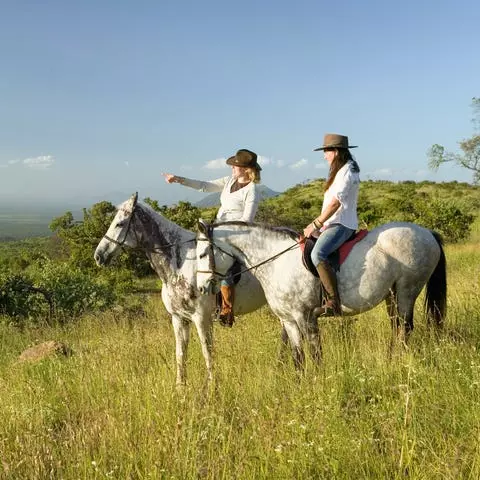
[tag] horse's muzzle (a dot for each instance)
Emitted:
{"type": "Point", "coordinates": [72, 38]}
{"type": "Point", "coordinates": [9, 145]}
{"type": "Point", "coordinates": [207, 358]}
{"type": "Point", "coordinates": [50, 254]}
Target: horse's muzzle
{"type": "Point", "coordinates": [99, 259]}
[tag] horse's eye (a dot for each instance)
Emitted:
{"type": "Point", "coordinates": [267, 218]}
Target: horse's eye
{"type": "Point", "coordinates": [119, 225]}
{"type": "Point", "coordinates": [203, 255]}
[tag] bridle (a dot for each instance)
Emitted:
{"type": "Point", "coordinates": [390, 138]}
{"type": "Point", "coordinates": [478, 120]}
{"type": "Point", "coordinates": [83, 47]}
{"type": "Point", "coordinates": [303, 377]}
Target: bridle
{"type": "Point", "coordinates": [121, 243]}
{"type": "Point", "coordinates": [208, 230]}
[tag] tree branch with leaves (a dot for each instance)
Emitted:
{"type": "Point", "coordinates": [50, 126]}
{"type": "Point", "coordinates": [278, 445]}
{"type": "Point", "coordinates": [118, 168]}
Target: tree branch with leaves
{"type": "Point", "coordinates": [469, 159]}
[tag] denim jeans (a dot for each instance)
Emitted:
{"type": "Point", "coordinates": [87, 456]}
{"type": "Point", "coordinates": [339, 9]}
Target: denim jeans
{"type": "Point", "coordinates": [231, 275]}
{"type": "Point", "coordinates": [330, 240]}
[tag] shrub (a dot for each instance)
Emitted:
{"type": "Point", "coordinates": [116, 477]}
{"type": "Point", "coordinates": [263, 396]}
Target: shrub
{"type": "Point", "coordinates": [55, 290]}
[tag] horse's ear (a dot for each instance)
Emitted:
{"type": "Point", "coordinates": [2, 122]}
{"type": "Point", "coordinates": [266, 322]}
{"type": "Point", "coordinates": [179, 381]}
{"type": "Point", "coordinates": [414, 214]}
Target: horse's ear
{"type": "Point", "coordinates": [134, 199]}
{"type": "Point", "coordinates": [202, 226]}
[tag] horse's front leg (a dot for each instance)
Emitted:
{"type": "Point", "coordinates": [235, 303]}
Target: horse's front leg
{"type": "Point", "coordinates": [312, 335]}
{"type": "Point", "coordinates": [203, 322]}
{"type": "Point", "coordinates": [181, 327]}
{"type": "Point", "coordinates": [282, 351]}
{"type": "Point", "coordinates": [294, 335]}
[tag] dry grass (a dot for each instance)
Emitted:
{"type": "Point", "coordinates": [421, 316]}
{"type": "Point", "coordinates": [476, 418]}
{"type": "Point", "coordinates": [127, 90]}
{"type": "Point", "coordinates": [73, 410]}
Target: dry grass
{"type": "Point", "coordinates": [111, 409]}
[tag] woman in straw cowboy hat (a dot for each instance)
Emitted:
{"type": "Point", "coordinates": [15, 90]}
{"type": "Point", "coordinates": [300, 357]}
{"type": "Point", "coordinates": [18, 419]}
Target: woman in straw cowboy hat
{"type": "Point", "coordinates": [338, 219]}
{"type": "Point", "coordinates": [238, 201]}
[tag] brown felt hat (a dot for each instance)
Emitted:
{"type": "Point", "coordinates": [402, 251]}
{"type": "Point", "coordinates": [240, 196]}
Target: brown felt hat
{"type": "Point", "coordinates": [244, 158]}
{"type": "Point", "coordinates": [333, 140]}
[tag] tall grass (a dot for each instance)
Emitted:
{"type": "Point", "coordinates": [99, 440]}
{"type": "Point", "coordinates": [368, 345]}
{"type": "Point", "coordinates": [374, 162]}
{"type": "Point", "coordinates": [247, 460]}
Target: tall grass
{"type": "Point", "coordinates": [111, 409]}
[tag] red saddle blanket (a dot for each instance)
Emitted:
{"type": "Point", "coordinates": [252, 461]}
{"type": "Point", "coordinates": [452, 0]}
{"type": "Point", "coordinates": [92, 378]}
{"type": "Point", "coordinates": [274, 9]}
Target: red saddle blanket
{"type": "Point", "coordinates": [336, 258]}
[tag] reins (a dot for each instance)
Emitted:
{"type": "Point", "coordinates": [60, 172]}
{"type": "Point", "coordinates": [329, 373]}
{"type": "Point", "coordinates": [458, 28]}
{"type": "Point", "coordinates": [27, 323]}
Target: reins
{"type": "Point", "coordinates": [160, 249]}
{"type": "Point", "coordinates": [211, 258]}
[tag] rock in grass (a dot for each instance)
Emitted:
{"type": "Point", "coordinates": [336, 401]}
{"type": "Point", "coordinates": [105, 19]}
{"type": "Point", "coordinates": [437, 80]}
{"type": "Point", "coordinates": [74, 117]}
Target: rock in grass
{"type": "Point", "coordinates": [44, 350]}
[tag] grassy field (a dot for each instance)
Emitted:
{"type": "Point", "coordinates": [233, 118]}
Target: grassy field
{"type": "Point", "coordinates": [18, 226]}
{"type": "Point", "coordinates": [111, 409]}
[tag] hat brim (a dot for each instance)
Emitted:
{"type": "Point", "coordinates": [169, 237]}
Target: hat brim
{"type": "Point", "coordinates": [233, 162]}
{"type": "Point", "coordinates": [334, 146]}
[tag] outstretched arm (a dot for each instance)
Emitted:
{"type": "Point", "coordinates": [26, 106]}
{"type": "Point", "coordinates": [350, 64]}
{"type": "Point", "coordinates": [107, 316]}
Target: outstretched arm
{"type": "Point", "coordinates": [211, 186]}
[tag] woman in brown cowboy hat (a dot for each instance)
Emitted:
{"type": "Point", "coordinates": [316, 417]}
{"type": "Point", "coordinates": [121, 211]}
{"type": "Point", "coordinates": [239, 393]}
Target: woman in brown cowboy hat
{"type": "Point", "coordinates": [238, 201]}
{"type": "Point", "coordinates": [338, 219]}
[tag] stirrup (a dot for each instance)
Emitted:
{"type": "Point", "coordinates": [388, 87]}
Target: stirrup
{"type": "Point", "coordinates": [327, 310]}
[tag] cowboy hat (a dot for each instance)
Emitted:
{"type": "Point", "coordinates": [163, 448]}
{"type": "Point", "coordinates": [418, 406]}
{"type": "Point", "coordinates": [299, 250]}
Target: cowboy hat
{"type": "Point", "coordinates": [244, 158]}
{"type": "Point", "coordinates": [333, 140]}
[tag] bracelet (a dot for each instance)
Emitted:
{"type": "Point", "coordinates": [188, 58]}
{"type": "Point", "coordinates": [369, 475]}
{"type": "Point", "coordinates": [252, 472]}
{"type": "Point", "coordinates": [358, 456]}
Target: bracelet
{"type": "Point", "coordinates": [315, 224]}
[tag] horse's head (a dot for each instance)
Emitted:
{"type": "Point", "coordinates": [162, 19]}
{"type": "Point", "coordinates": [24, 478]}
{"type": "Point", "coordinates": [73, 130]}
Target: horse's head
{"type": "Point", "coordinates": [214, 258]}
{"type": "Point", "coordinates": [120, 233]}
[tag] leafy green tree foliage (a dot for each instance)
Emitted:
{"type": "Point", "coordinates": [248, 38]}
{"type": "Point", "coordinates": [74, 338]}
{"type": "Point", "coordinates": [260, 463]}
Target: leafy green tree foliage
{"type": "Point", "coordinates": [183, 213]}
{"type": "Point", "coordinates": [79, 239]}
{"type": "Point", "coordinates": [470, 159]}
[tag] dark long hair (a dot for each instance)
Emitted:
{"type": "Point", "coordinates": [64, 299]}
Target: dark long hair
{"type": "Point", "coordinates": [341, 158]}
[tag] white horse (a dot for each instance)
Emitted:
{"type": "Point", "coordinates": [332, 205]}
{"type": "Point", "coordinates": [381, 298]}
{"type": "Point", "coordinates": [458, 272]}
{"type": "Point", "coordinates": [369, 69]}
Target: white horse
{"type": "Point", "coordinates": [172, 253]}
{"type": "Point", "coordinates": [392, 263]}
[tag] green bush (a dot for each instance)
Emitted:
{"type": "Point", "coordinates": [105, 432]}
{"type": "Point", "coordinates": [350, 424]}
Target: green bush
{"type": "Point", "coordinates": [57, 291]}
{"type": "Point", "coordinates": [20, 299]}
{"type": "Point", "coordinates": [75, 291]}
{"type": "Point", "coordinates": [445, 218]}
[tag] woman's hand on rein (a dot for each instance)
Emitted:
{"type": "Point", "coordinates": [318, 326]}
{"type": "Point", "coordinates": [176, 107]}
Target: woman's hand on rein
{"type": "Point", "coordinates": [309, 229]}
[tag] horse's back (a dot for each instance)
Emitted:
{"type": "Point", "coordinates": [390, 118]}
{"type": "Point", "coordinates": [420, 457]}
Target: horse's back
{"type": "Point", "coordinates": [397, 253]}
{"type": "Point", "coordinates": [408, 243]}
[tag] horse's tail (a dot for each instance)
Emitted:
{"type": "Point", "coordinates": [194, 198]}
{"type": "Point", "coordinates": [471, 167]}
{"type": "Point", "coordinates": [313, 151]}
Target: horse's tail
{"type": "Point", "coordinates": [436, 295]}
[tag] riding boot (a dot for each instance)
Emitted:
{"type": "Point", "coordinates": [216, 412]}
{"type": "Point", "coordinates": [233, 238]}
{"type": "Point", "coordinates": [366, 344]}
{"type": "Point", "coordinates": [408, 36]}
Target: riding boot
{"type": "Point", "coordinates": [331, 306]}
{"type": "Point", "coordinates": [226, 317]}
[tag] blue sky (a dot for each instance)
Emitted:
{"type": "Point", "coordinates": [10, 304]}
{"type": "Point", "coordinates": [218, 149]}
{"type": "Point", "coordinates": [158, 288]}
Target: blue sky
{"type": "Point", "coordinates": [100, 96]}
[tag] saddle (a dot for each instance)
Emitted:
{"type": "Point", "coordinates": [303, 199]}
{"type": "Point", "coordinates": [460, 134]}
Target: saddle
{"type": "Point", "coordinates": [336, 258]}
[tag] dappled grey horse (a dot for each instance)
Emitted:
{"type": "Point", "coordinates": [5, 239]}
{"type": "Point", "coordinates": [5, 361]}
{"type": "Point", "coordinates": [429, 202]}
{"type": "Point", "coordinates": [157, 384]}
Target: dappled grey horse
{"type": "Point", "coordinates": [392, 263]}
{"type": "Point", "coordinates": [172, 253]}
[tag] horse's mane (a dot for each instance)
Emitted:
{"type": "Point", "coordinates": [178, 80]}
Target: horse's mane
{"type": "Point", "coordinates": [157, 217]}
{"type": "Point", "coordinates": [287, 231]}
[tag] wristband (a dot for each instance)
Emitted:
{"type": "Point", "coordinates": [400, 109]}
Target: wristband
{"type": "Point", "coordinates": [316, 224]}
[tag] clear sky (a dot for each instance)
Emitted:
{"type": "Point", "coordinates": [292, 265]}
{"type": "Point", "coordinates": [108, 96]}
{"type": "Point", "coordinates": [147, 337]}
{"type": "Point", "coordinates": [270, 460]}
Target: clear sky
{"type": "Point", "coordinates": [103, 96]}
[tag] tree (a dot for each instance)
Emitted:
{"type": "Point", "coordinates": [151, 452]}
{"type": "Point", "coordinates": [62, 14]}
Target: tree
{"type": "Point", "coordinates": [80, 238]}
{"type": "Point", "coordinates": [470, 147]}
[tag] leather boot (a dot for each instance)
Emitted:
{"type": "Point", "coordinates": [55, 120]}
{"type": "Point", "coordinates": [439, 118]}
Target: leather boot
{"type": "Point", "coordinates": [226, 317]}
{"type": "Point", "coordinates": [331, 306]}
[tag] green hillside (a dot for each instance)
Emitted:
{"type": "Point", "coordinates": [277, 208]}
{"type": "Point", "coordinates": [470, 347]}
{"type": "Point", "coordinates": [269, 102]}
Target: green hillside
{"type": "Point", "coordinates": [446, 207]}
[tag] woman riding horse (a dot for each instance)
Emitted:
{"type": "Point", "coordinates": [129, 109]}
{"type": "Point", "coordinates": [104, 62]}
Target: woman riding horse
{"type": "Point", "coordinates": [338, 219]}
{"type": "Point", "coordinates": [239, 201]}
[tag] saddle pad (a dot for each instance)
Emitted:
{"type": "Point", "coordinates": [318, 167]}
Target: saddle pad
{"type": "Point", "coordinates": [336, 258]}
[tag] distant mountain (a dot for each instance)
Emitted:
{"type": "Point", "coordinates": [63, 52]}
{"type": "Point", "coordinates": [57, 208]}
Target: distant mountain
{"type": "Point", "coordinates": [213, 200]}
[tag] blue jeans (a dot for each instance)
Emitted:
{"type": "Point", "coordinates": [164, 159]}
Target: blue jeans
{"type": "Point", "coordinates": [330, 240]}
{"type": "Point", "coordinates": [231, 275]}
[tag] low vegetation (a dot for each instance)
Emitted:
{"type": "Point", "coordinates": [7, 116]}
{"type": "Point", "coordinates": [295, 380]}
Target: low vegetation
{"type": "Point", "coordinates": [110, 409]}
{"type": "Point", "coordinates": [449, 209]}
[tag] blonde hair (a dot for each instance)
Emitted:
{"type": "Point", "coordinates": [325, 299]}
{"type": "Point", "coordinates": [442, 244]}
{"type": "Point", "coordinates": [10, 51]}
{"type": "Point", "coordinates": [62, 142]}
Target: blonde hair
{"type": "Point", "coordinates": [253, 174]}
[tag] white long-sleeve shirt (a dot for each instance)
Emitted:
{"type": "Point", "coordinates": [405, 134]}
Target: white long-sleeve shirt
{"type": "Point", "coordinates": [239, 205]}
{"type": "Point", "coordinates": [345, 189]}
